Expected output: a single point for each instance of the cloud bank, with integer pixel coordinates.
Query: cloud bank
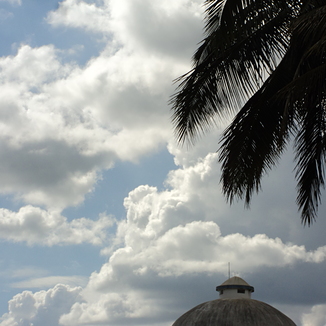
(36, 226)
(162, 242)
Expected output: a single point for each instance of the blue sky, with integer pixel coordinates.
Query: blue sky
(104, 219)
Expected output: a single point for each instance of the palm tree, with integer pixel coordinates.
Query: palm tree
(264, 62)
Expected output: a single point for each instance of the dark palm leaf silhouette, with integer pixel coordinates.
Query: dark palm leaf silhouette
(265, 62)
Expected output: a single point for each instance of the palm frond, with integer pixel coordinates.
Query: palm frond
(257, 137)
(264, 61)
(246, 39)
(311, 151)
(306, 95)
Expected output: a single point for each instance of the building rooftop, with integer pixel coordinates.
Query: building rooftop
(235, 308)
(235, 312)
(235, 282)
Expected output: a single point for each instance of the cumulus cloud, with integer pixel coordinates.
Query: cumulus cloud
(62, 124)
(131, 21)
(80, 14)
(41, 308)
(169, 240)
(316, 317)
(112, 308)
(32, 67)
(141, 26)
(36, 226)
(39, 165)
(163, 241)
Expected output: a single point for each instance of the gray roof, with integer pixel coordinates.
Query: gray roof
(235, 282)
(235, 312)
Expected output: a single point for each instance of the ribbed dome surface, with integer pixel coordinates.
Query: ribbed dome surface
(234, 312)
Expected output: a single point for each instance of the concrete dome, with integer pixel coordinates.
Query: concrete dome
(234, 308)
(234, 312)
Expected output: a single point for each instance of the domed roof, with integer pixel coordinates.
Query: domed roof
(235, 312)
(235, 282)
(234, 308)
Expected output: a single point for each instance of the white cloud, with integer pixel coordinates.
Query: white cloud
(62, 124)
(40, 308)
(163, 238)
(316, 317)
(36, 226)
(168, 240)
(131, 308)
(198, 247)
(38, 164)
(127, 23)
(160, 27)
(80, 14)
(31, 68)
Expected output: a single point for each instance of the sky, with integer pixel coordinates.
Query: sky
(104, 218)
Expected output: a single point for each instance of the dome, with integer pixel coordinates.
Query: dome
(234, 308)
(234, 312)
